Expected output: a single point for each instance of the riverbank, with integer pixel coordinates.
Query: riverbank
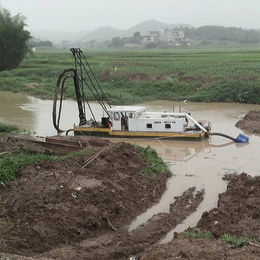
(130, 77)
(81, 207)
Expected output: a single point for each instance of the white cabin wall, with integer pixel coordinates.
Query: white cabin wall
(116, 125)
(140, 124)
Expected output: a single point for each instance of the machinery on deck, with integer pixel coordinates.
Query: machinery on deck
(82, 76)
(122, 121)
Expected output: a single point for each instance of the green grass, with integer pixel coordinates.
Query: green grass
(206, 74)
(12, 162)
(238, 241)
(155, 163)
(234, 241)
(196, 234)
(5, 129)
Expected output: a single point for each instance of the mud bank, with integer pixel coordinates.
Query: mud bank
(79, 208)
(250, 122)
(72, 209)
(237, 214)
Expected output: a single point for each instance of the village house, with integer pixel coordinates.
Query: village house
(168, 36)
(172, 36)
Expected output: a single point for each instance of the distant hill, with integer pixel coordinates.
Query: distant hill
(152, 25)
(107, 33)
(104, 33)
(180, 25)
(145, 27)
(58, 36)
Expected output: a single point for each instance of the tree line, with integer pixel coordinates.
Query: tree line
(221, 33)
(200, 34)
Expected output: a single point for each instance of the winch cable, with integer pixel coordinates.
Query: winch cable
(92, 84)
(78, 66)
(81, 99)
(79, 83)
(96, 81)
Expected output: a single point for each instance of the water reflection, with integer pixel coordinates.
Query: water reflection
(12, 113)
(192, 164)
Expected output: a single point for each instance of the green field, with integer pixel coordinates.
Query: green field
(134, 76)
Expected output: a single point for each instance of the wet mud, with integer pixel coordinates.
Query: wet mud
(250, 122)
(72, 209)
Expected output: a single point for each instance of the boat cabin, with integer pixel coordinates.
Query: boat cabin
(135, 118)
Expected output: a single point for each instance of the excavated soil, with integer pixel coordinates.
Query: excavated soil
(80, 208)
(237, 214)
(250, 122)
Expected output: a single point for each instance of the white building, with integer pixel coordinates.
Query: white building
(172, 36)
(169, 36)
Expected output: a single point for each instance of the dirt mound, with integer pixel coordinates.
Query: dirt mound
(251, 122)
(81, 208)
(238, 211)
(201, 249)
(237, 214)
(60, 202)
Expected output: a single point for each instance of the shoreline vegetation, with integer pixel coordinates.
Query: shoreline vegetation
(13, 156)
(216, 74)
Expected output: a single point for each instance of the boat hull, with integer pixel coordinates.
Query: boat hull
(108, 133)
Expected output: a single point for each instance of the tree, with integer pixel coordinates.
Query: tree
(117, 42)
(137, 37)
(13, 40)
(40, 43)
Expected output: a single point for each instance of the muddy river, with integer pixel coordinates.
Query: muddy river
(197, 163)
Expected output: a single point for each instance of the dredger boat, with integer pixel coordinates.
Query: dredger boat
(121, 121)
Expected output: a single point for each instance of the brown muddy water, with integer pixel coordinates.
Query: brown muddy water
(193, 163)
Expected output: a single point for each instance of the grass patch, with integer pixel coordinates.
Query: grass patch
(155, 162)
(196, 234)
(234, 241)
(12, 162)
(5, 129)
(238, 241)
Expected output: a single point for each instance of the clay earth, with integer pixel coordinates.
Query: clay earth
(80, 208)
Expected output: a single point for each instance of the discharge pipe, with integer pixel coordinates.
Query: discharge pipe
(196, 123)
(240, 138)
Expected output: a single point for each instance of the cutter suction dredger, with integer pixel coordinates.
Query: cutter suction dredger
(119, 121)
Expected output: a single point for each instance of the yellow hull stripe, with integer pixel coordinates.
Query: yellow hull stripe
(139, 134)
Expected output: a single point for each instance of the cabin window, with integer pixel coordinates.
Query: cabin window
(116, 116)
(131, 115)
(149, 125)
(167, 126)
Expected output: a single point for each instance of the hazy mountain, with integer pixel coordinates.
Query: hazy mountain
(107, 33)
(104, 33)
(145, 27)
(179, 25)
(58, 36)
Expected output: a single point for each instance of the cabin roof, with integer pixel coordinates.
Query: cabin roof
(126, 108)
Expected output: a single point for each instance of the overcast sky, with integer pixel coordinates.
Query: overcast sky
(78, 15)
